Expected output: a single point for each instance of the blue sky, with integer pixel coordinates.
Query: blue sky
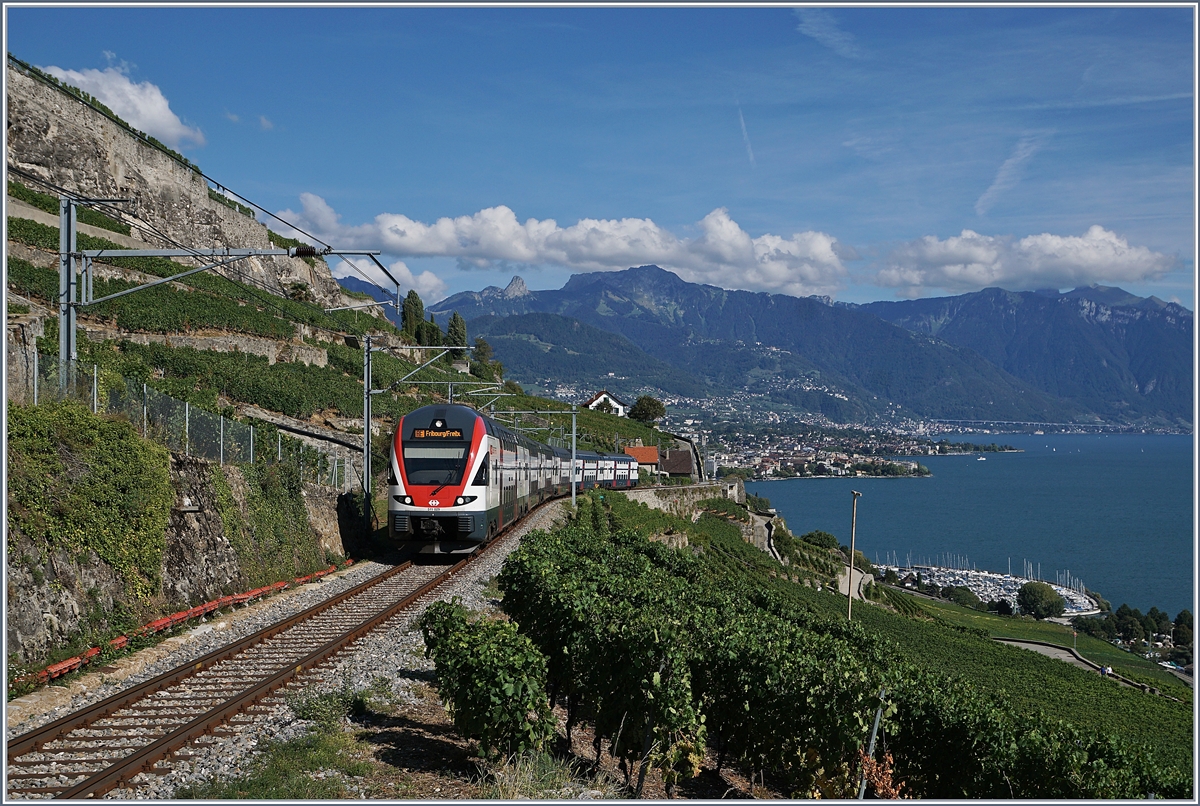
(864, 153)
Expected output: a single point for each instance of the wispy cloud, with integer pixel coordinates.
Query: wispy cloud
(821, 26)
(1011, 170)
(723, 254)
(971, 261)
(265, 124)
(1089, 103)
(746, 138)
(142, 104)
(231, 117)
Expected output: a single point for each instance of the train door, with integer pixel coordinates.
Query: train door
(508, 489)
(492, 496)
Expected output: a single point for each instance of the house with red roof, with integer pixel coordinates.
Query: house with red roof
(646, 457)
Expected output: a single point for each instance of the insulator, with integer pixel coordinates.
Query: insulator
(304, 251)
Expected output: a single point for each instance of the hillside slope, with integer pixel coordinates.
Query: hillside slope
(55, 137)
(541, 346)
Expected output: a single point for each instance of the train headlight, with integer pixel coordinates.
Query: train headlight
(464, 499)
(404, 499)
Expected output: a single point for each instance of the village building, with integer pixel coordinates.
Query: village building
(606, 401)
(647, 458)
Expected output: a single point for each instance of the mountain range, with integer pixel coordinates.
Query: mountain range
(1092, 354)
(1113, 353)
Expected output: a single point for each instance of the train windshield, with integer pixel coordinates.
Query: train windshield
(435, 464)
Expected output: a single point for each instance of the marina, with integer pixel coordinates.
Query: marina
(990, 586)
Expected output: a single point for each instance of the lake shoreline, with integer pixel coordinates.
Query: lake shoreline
(1071, 502)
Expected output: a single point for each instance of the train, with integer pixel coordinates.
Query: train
(457, 477)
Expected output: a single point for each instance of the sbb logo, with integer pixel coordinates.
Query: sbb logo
(433, 502)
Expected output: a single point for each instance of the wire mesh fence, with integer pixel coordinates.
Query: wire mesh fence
(185, 428)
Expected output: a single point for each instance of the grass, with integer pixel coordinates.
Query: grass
(542, 776)
(1094, 649)
(341, 759)
(319, 766)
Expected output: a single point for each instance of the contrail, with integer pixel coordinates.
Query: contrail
(746, 137)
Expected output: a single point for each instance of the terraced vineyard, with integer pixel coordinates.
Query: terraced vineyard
(668, 650)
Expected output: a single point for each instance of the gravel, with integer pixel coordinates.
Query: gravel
(391, 657)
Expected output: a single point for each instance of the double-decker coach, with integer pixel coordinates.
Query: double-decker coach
(457, 477)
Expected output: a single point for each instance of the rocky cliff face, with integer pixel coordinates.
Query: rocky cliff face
(54, 596)
(65, 141)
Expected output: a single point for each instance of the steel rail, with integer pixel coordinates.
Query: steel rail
(144, 759)
(213, 717)
(34, 739)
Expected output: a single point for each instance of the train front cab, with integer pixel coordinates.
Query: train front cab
(443, 487)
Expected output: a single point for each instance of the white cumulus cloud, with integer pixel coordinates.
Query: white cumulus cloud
(971, 261)
(431, 287)
(723, 254)
(142, 105)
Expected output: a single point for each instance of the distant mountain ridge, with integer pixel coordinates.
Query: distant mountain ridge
(1092, 353)
(539, 347)
(1114, 353)
(801, 352)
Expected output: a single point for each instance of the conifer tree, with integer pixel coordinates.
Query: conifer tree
(456, 334)
(429, 334)
(412, 314)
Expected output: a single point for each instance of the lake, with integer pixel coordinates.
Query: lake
(1116, 510)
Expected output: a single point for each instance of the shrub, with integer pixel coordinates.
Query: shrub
(821, 539)
(84, 482)
(492, 678)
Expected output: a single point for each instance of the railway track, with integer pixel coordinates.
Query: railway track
(100, 747)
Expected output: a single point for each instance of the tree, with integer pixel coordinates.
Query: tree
(1039, 600)
(960, 595)
(647, 409)
(412, 313)
(428, 333)
(1130, 628)
(1001, 606)
(1184, 619)
(456, 335)
(483, 350)
(822, 539)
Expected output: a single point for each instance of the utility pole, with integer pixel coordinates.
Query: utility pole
(366, 479)
(850, 582)
(574, 410)
(66, 288)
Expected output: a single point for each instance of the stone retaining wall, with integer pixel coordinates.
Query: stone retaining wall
(681, 501)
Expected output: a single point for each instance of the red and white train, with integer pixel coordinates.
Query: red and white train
(457, 477)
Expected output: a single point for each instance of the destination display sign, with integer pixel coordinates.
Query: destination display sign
(429, 433)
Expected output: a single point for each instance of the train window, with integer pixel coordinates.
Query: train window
(435, 464)
(481, 477)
